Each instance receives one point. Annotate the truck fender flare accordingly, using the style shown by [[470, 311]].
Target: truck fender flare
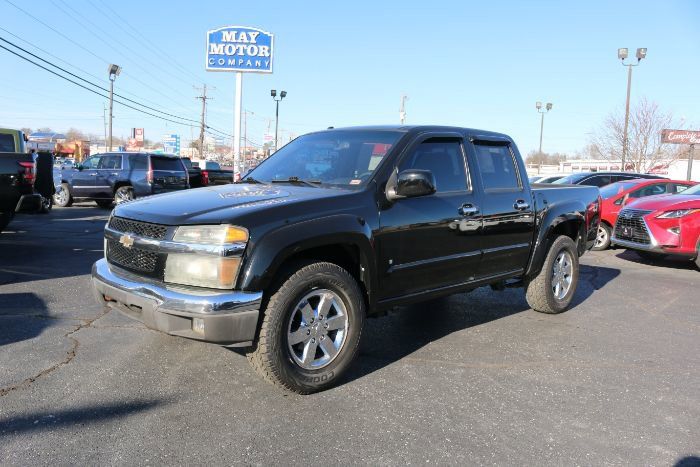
[[554, 216], [265, 255]]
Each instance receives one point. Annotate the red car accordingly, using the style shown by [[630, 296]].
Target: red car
[[662, 225], [617, 195]]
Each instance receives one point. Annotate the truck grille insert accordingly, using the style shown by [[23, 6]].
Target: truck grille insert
[[131, 258], [631, 227], [142, 229]]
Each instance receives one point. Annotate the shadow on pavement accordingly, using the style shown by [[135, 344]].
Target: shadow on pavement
[[78, 417], [689, 461], [64, 243], [390, 338], [668, 261], [23, 316]]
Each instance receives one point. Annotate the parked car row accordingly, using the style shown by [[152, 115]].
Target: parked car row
[[118, 177]]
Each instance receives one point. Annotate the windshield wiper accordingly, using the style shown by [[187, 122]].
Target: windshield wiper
[[298, 180]]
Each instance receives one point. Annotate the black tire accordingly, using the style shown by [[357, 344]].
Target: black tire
[[46, 205], [104, 203], [650, 255], [540, 292], [5, 218], [63, 198], [123, 194], [602, 240], [273, 356]]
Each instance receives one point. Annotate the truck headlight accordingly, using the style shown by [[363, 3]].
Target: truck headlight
[[210, 234], [215, 272]]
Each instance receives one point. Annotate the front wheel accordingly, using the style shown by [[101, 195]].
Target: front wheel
[[62, 197], [602, 239], [311, 329], [46, 205], [552, 290]]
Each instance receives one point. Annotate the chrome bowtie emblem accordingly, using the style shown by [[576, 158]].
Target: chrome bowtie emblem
[[126, 240]]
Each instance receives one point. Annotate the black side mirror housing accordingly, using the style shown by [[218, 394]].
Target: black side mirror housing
[[410, 183], [78, 166]]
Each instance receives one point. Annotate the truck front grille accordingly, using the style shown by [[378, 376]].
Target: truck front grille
[[142, 229], [630, 226], [131, 258]]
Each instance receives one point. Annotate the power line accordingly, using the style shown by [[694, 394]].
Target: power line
[[95, 92], [144, 40], [97, 86], [87, 73]]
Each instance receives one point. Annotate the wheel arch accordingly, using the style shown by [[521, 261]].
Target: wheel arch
[[568, 220], [344, 239]]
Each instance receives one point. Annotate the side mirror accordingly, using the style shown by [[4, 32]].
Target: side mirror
[[79, 167], [410, 183]]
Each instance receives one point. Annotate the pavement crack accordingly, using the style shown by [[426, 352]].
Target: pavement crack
[[70, 355]]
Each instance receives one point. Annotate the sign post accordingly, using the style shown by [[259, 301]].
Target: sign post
[[683, 137], [240, 49]]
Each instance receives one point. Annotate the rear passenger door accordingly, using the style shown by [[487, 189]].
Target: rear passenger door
[[507, 207]]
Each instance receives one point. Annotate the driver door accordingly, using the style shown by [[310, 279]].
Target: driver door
[[431, 242], [85, 183]]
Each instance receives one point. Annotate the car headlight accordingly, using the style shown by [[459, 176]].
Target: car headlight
[[210, 234], [216, 272], [205, 270], [676, 213]]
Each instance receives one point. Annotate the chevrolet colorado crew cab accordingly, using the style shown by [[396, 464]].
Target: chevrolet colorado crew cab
[[337, 226]]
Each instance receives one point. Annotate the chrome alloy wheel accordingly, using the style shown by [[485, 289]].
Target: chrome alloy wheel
[[601, 238], [562, 275], [61, 197], [317, 329], [123, 195]]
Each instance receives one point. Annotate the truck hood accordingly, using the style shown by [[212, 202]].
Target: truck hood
[[219, 204], [666, 202]]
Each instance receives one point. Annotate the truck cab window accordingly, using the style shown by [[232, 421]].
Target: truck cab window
[[443, 157], [497, 167]]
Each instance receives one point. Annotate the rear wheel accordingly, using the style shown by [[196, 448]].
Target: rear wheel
[[46, 205], [602, 239], [311, 329], [552, 290], [62, 197], [123, 194]]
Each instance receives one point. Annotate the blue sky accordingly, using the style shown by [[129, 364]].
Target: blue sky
[[474, 64]]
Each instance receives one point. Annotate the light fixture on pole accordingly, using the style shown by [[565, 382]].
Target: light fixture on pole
[[283, 94], [114, 71], [542, 110], [622, 54]]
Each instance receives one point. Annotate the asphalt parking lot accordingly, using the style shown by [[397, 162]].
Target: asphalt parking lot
[[476, 378]]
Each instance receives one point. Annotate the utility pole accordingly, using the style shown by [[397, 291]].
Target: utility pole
[[114, 71], [104, 121], [542, 110], [202, 124], [402, 109]]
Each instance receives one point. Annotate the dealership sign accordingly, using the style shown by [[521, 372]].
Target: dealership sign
[[171, 144], [680, 136], [239, 48]]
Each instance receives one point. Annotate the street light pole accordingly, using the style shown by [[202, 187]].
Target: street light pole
[[283, 94], [622, 55], [542, 110], [114, 71]]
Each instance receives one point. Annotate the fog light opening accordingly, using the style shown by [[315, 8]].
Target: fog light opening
[[198, 325], [675, 230]]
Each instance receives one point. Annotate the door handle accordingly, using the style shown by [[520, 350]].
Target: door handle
[[93, 175], [468, 209], [114, 173], [521, 205]]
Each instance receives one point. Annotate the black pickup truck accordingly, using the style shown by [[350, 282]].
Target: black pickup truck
[[337, 226], [26, 185]]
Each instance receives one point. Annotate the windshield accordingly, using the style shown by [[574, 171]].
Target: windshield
[[694, 190], [615, 188], [346, 158]]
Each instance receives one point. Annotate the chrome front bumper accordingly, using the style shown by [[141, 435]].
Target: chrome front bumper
[[229, 318]]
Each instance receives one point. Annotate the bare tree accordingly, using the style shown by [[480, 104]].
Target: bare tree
[[543, 158], [645, 148], [73, 134]]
